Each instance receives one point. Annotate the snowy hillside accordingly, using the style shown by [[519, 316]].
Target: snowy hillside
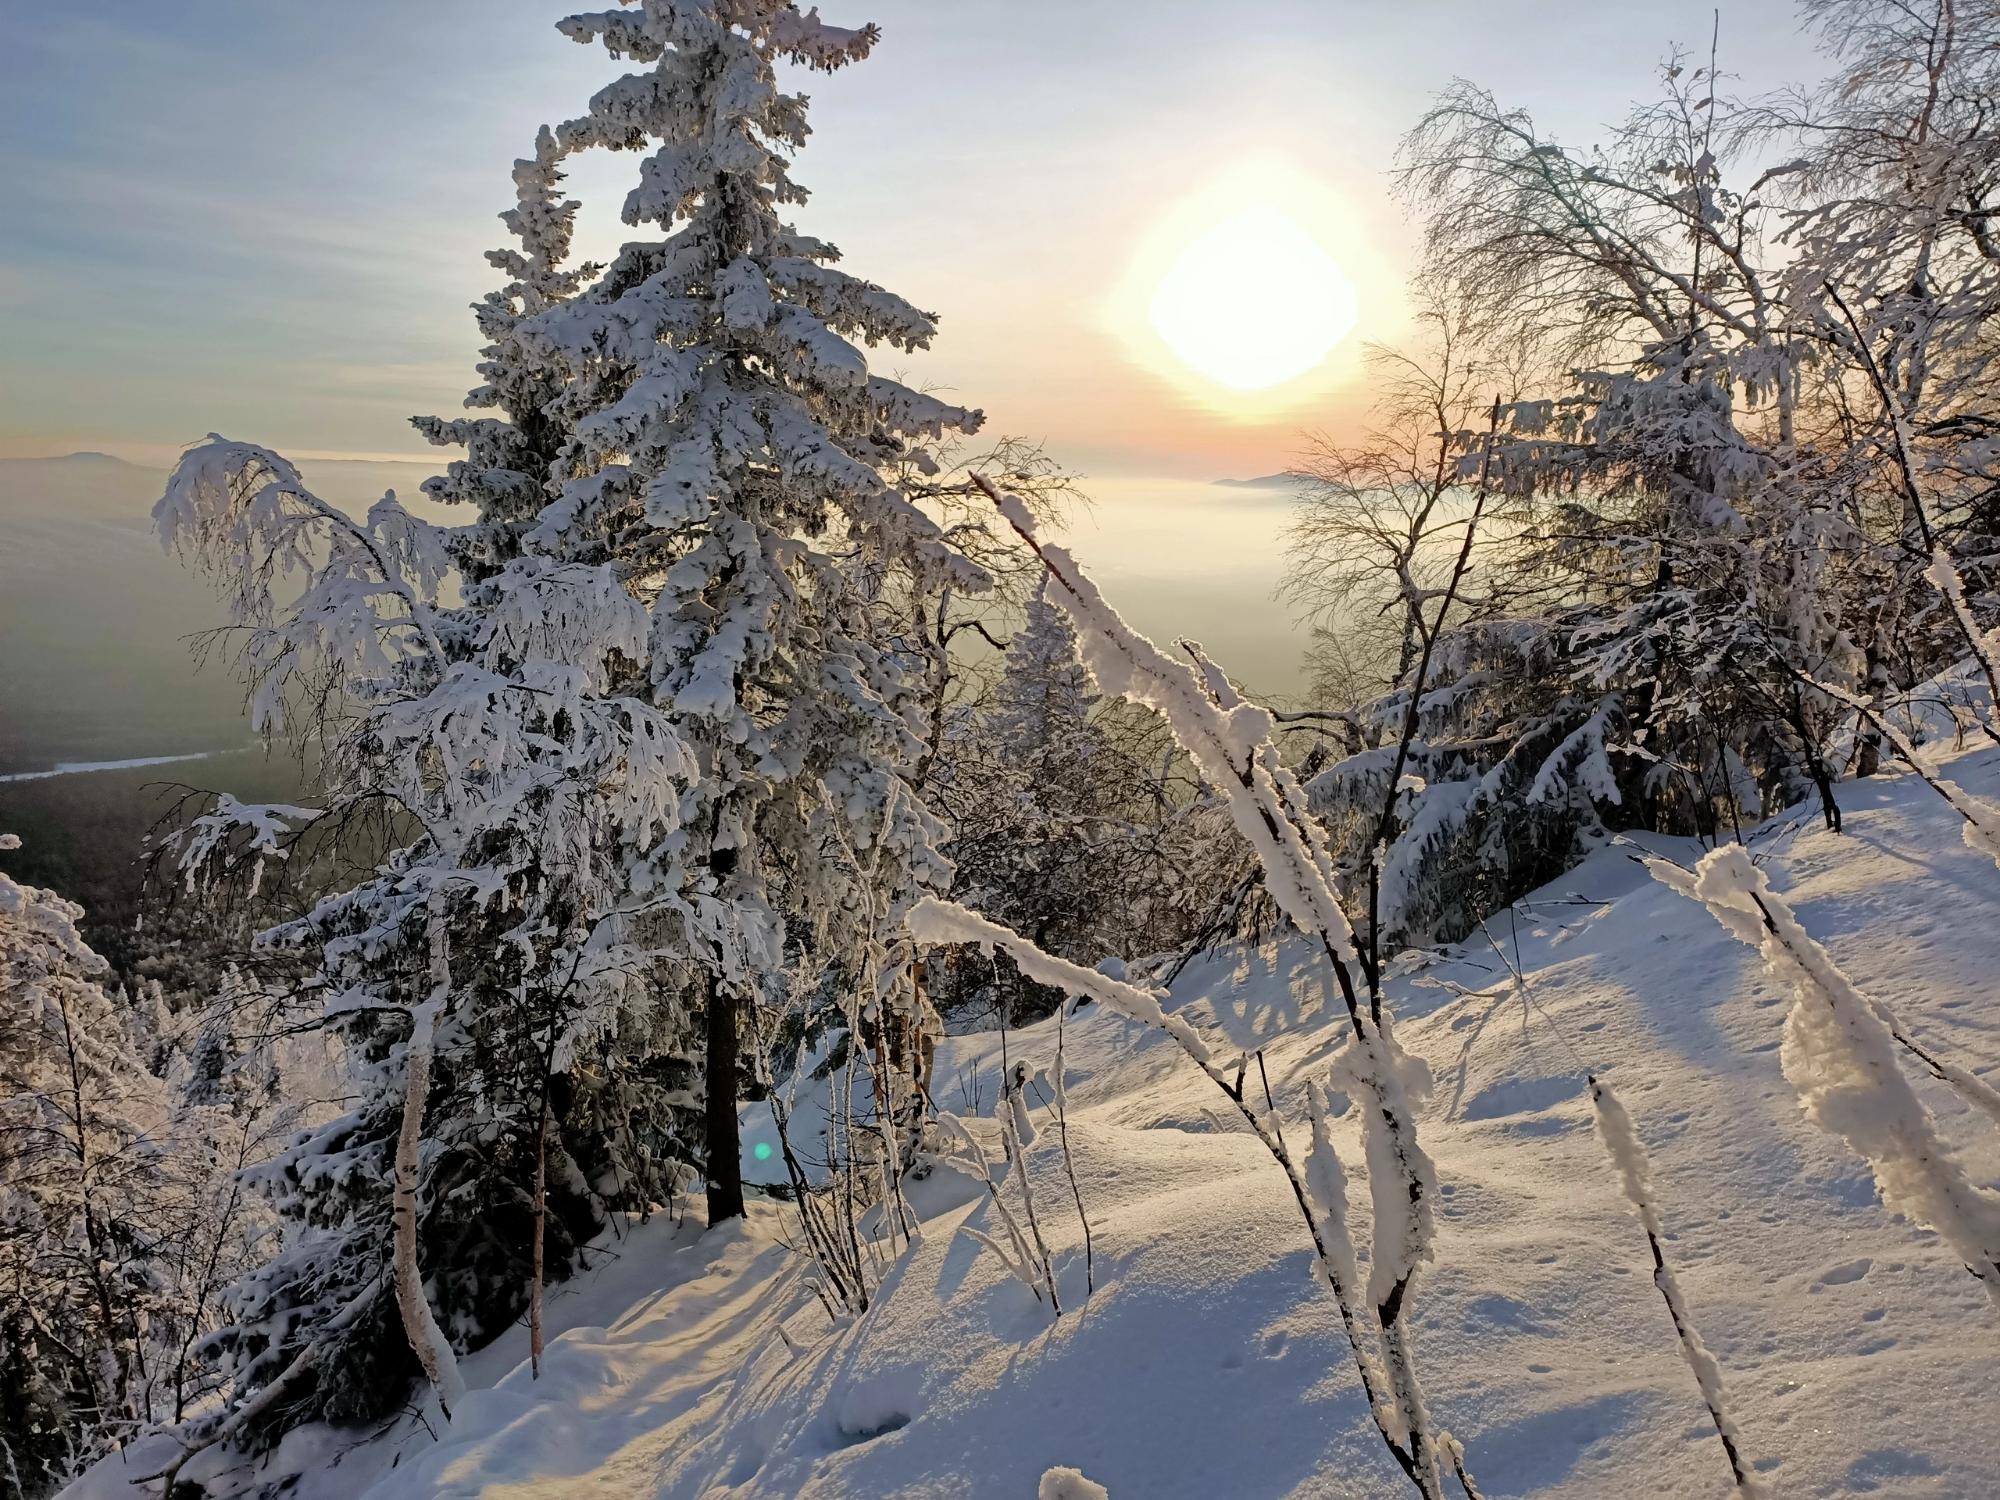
[[1860, 1356]]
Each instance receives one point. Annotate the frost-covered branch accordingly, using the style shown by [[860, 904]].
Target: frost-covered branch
[[1230, 742], [1635, 1172], [1840, 1054], [366, 605], [1980, 818]]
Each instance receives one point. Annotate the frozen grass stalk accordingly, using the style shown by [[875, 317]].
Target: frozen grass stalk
[[1635, 1172], [1840, 1054]]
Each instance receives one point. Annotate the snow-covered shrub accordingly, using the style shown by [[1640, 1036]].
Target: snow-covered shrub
[[1743, 432], [88, 1199]]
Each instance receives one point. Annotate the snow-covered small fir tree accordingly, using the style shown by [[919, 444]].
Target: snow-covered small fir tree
[[664, 732]]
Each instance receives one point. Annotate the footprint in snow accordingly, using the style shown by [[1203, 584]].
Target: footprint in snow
[[1869, 1472], [1520, 1096], [1845, 1272]]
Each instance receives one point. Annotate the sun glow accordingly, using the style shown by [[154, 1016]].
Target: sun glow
[[1250, 296], [1254, 302]]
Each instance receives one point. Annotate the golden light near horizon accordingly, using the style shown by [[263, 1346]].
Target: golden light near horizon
[[1253, 302]]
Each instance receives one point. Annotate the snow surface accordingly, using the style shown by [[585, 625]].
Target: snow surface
[[1860, 1357]]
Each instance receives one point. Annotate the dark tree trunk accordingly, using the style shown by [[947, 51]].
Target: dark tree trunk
[[724, 1145], [1868, 756]]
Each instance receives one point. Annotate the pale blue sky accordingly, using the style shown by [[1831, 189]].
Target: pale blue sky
[[267, 218]]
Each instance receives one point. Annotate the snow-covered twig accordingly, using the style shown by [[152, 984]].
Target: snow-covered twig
[[1981, 818], [1628, 1154], [1017, 1132], [1019, 1260], [1229, 741], [1839, 1054], [1069, 1157]]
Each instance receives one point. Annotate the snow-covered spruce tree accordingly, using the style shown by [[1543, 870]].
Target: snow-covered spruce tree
[[84, 1189], [505, 473], [731, 439], [501, 983]]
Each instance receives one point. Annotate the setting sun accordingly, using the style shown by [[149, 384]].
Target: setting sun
[[1254, 302]]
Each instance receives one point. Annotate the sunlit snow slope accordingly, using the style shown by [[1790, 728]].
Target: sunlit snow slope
[[1862, 1360]]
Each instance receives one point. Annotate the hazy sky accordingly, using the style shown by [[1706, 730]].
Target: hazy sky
[[267, 218]]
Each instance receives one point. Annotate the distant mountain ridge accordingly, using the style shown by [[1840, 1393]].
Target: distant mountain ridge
[[1263, 482], [81, 458]]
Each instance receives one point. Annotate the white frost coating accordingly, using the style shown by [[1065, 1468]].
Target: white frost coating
[[1016, 513], [1326, 1180], [1326, 1188], [1840, 1054], [1981, 830], [1069, 1484], [1635, 1171], [933, 921], [1382, 1082], [1017, 1103], [1944, 576]]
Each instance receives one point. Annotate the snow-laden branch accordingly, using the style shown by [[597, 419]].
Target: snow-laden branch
[[367, 603], [1319, 1187], [1635, 1173], [1981, 830], [934, 921], [1229, 741], [1839, 1053]]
